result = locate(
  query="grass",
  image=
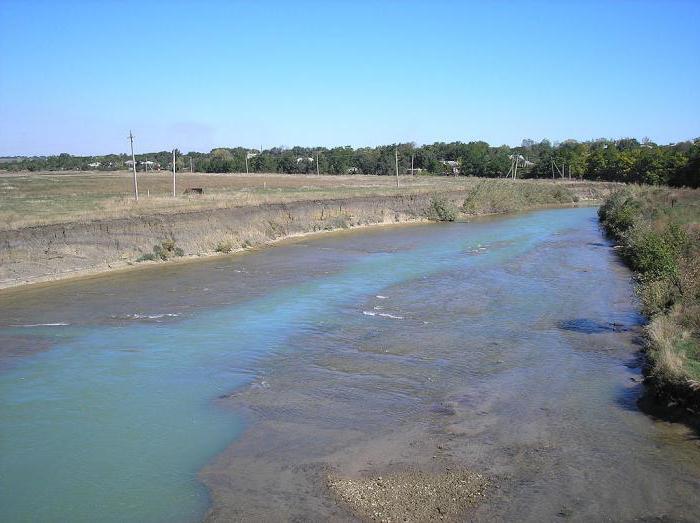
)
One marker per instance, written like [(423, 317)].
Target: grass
[(499, 196), (224, 247), (28, 199), (658, 232), (163, 251)]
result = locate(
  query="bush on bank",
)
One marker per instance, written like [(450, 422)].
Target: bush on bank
[(658, 233), (500, 196), (441, 209)]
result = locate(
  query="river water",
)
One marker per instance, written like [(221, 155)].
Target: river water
[(230, 388)]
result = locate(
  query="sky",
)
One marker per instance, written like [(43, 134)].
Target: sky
[(75, 77)]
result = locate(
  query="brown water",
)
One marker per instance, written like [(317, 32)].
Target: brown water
[(505, 346)]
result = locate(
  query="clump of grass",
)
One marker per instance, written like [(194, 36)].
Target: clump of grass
[(224, 247), (165, 250), (441, 209), (659, 237), (501, 196)]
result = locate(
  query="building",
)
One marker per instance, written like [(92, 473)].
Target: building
[(451, 165)]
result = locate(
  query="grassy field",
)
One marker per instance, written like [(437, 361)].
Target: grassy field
[(658, 231), (43, 198)]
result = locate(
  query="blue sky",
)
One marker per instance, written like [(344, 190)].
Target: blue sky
[(76, 76)]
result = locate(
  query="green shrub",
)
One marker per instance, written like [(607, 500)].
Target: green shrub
[(164, 251), (442, 210), (619, 212), (654, 254), (224, 247)]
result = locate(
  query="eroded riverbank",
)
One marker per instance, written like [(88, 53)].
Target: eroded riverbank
[(71, 249), (504, 348)]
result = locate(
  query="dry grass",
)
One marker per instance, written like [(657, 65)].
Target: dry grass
[(43, 198), (664, 334), (659, 232)]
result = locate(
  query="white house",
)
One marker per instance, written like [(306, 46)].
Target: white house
[(451, 164)]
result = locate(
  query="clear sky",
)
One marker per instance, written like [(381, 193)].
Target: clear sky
[(76, 76)]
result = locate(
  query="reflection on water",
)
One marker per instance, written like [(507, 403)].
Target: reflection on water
[(502, 345)]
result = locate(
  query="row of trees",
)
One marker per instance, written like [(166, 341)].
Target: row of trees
[(626, 160)]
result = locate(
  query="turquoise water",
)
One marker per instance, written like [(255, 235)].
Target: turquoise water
[(113, 418)]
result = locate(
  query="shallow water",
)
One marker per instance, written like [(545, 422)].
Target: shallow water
[(504, 345)]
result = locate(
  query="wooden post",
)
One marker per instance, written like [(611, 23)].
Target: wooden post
[(173, 173), (133, 165), (246, 162), (318, 169), (396, 161), (413, 173), (191, 166)]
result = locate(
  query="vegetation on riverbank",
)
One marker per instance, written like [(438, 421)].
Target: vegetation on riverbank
[(625, 160), (501, 196), (658, 233)]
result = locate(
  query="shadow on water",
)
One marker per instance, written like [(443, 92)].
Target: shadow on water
[(588, 326), (640, 398), (662, 410)]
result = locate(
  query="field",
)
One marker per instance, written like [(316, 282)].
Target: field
[(46, 198)]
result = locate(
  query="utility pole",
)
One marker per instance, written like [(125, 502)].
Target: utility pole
[(191, 166), (318, 169), (413, 173), (246, 162), (173, 173), (396, 161), (133, 165)]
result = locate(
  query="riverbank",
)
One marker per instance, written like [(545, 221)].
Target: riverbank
[(658, 235), (81, 247)]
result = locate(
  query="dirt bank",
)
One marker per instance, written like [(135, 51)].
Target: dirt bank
[(52, 252)]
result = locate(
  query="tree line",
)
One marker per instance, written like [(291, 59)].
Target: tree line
[(624, 160)]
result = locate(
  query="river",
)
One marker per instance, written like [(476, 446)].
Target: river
[(231, 387)]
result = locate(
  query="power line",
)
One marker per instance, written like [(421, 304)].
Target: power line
[(396, 160)]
